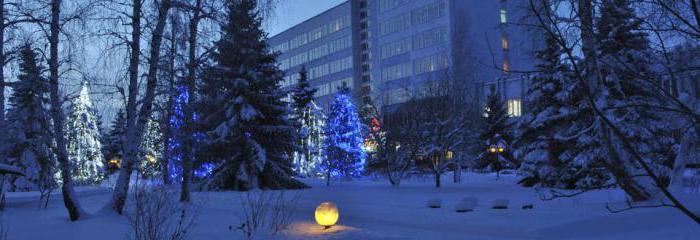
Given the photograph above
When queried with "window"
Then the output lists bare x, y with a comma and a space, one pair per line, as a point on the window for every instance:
298, 41
339, 44
397, 71
318, 52
340, 65
514, 108
282, 47
504, 43
504, 18
431, 63
386, 5
317, 33
333, 87
397, 95
396, 48
506, 66
428, 12
284, 64
318, 71
298, 59
429, 38
396, 24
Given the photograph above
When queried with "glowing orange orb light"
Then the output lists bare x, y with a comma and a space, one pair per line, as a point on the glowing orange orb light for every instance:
326, 214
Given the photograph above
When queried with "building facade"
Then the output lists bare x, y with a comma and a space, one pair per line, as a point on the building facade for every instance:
387, 51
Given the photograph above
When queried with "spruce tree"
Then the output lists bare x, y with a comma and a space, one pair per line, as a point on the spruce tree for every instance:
305, 122
627, 95
29, 125
248, 134
114, 140
343, 144
550, 114
495, 136
83, 137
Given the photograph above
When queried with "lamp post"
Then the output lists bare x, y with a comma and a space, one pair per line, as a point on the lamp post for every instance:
497, 149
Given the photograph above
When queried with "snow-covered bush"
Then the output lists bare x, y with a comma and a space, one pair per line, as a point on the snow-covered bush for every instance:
500, 204
157, 215
434, 203
466, 205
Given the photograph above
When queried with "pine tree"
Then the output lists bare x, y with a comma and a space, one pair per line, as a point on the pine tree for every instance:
496, 136
248, 133
305, 122
151, 150
83, 137
552, 114
114, 140
626, 96
29, 125
343, 143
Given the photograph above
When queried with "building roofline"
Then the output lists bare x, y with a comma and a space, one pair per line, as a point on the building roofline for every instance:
309, 19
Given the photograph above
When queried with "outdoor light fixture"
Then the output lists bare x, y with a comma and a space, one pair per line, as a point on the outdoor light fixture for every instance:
492, 149
326, 214
500, 149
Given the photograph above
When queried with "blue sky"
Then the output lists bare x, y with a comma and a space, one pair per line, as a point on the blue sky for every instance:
292, 12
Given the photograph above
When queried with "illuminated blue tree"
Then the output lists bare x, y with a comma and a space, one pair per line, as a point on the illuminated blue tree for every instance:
343, 144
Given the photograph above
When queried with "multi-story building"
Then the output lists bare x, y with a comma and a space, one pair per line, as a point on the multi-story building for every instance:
387, 50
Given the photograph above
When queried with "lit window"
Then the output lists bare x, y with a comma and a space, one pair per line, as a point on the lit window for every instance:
514, 108
506, 67
504, 43
503, 16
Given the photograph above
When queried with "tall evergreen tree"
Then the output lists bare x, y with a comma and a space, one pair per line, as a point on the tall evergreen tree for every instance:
29, 125
496, 136
83, 137
305, 122
114, 140
627, 96
343, 143
553, 110
248, 133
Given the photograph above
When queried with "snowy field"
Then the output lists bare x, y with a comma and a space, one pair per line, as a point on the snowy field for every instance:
374, 210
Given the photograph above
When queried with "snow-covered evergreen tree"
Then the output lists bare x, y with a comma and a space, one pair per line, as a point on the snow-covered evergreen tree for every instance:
553, 110
248, 133
627, 96
306, 120
151, 150
83, 137
343, 144
496, 136
29, 126
114, 140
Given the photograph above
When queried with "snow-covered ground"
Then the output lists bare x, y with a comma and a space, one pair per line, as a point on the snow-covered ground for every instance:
374, 210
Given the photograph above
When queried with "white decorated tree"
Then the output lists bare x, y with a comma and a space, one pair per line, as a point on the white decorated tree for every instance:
83, 136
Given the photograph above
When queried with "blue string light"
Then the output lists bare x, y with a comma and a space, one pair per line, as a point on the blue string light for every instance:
343, 144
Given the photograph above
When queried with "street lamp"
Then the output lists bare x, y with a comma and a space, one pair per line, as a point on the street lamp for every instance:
497, 149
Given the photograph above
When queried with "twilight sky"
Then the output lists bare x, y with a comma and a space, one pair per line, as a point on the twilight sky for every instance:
291, 12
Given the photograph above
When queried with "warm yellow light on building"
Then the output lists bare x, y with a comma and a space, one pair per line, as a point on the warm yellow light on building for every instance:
500, 149
449, 155
326, 214
492, 149
504, 43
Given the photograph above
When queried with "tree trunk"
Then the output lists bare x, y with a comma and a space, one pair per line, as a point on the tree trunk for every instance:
588, 42
3, 137
69, 198
188, 147
682, 156
437, 179
623, 171
458, 171
328, 176
136, 121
